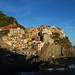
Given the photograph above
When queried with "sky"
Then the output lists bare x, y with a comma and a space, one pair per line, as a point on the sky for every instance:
31, 13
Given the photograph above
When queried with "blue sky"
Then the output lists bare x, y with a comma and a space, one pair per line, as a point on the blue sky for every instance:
29, 13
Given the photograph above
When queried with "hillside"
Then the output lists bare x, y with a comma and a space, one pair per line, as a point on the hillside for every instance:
44, 41
7, 20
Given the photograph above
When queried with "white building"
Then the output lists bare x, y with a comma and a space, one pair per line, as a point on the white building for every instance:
62, 34
40, 45
44, 31
49, 32
25, 40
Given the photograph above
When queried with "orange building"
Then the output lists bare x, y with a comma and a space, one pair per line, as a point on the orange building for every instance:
8, 27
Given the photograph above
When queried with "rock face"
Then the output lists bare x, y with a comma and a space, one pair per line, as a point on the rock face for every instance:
46, 41
52, 51
3, 44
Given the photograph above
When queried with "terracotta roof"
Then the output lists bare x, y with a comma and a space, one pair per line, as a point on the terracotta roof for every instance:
7, 27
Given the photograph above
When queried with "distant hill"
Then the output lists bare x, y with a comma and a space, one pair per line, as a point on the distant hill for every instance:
7, 20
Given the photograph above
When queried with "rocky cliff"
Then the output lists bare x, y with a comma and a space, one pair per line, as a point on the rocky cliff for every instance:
45, 41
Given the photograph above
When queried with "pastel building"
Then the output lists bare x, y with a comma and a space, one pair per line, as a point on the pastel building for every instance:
40, 45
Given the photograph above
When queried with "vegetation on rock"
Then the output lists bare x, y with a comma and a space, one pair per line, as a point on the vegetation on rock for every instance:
6, 20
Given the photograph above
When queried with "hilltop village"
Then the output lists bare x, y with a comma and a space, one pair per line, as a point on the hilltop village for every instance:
42, 40
31, 39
